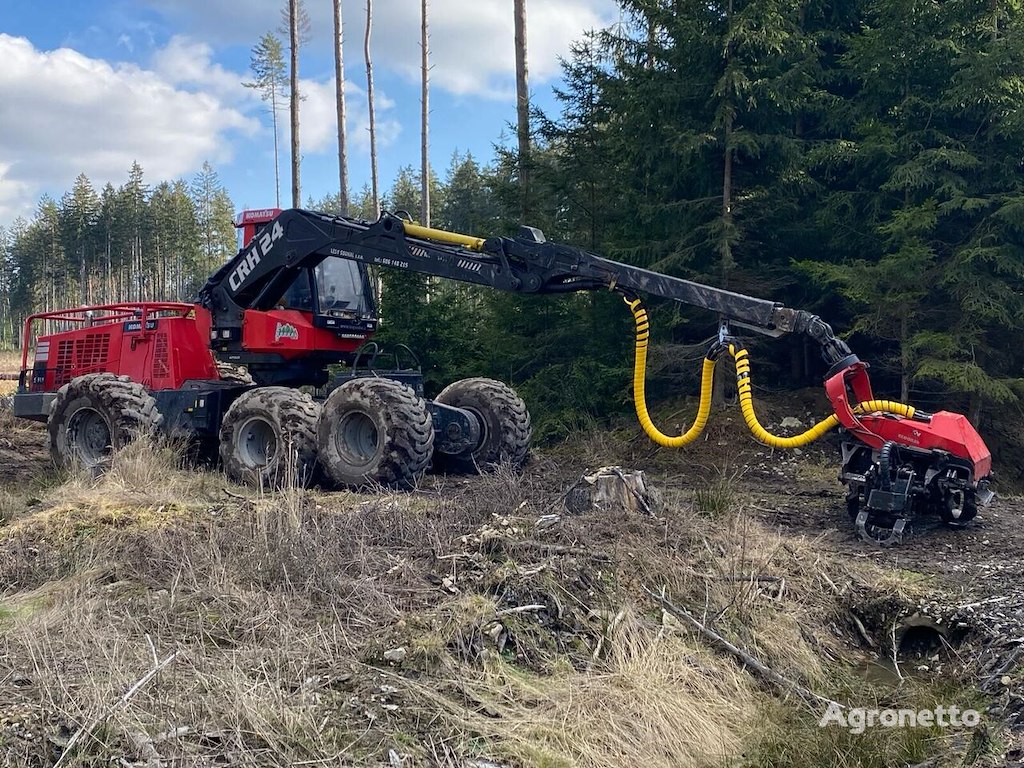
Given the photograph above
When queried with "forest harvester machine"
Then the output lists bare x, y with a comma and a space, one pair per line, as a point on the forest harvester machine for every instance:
297, 298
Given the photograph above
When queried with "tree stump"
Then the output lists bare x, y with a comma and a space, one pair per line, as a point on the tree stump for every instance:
613, 488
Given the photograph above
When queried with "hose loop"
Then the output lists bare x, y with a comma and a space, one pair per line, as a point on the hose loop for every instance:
643, 335
744, 389
746, 398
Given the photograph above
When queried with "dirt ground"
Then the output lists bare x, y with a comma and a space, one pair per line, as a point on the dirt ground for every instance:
480, 594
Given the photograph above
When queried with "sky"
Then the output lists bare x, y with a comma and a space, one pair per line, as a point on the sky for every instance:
89, 86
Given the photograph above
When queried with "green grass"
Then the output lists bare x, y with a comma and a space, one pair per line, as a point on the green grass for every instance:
715, 499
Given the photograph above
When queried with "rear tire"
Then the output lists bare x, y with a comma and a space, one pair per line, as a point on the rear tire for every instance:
96, 414
505, 429
375, 431
268, 438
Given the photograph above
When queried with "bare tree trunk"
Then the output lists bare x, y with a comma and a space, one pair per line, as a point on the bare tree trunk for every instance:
522, 105
372, 119
726, 246
904, 360
293, 33
425, 99
339, 77
277, 151
725, 241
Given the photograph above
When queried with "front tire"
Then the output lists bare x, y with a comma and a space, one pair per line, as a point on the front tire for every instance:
375, 432
96, 414
268, 438
504, 423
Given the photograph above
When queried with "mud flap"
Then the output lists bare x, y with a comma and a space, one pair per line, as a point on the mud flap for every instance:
883, 537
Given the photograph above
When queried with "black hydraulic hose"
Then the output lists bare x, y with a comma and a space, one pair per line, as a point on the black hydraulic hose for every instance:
884, 464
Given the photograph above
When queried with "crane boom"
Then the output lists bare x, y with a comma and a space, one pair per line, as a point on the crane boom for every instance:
297, 240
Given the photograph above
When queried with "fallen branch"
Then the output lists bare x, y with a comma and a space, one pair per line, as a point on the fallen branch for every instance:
234, 495
895, 654
553, 549
986, 601
824, 577
85, 730
521, 609
757, 666
1006, 666
862, 630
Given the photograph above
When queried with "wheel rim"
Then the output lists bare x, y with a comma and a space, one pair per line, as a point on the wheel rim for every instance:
357, 438
485, 432
89, 435
257, 442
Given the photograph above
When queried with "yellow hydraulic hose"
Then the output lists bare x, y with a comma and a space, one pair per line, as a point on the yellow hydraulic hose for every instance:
643, 334
746, 398
743, 386
747, 406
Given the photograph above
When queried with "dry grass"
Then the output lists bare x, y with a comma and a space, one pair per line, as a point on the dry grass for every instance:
526, 645
655, 699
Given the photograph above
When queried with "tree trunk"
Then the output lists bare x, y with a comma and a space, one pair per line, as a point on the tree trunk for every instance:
372, 119
904, 361
277, 150
293, 33
522, 106
725, 242
339, 77
425, 138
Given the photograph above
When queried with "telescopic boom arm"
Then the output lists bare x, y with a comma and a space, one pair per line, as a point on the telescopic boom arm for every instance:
260, 274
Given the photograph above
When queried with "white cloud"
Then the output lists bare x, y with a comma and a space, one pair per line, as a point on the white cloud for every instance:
471, 40
15, 196
187, 62
319, 118
472, 51
64, 113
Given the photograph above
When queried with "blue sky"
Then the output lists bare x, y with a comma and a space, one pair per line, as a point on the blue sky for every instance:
91, 85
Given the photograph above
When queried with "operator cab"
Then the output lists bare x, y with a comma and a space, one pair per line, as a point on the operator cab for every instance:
326, 313
336, 288
336, 284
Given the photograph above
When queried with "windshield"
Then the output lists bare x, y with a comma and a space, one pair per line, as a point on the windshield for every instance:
340, 286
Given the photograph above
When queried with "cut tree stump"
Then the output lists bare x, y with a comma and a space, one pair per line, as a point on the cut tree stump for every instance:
613, 488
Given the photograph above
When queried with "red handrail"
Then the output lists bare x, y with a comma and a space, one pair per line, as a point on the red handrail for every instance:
122, 310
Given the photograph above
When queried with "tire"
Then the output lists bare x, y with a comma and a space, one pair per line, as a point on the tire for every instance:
375, 432
268, 438
504, 423
96, 414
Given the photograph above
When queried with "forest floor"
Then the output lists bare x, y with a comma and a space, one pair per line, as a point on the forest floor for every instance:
157, 616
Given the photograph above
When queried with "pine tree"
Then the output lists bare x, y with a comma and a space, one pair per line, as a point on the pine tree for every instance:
339, 84
271, 80
79, 213
296, 20
371, 109
214, 219
132, 224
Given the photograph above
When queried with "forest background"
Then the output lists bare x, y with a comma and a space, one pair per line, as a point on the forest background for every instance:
863, 159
